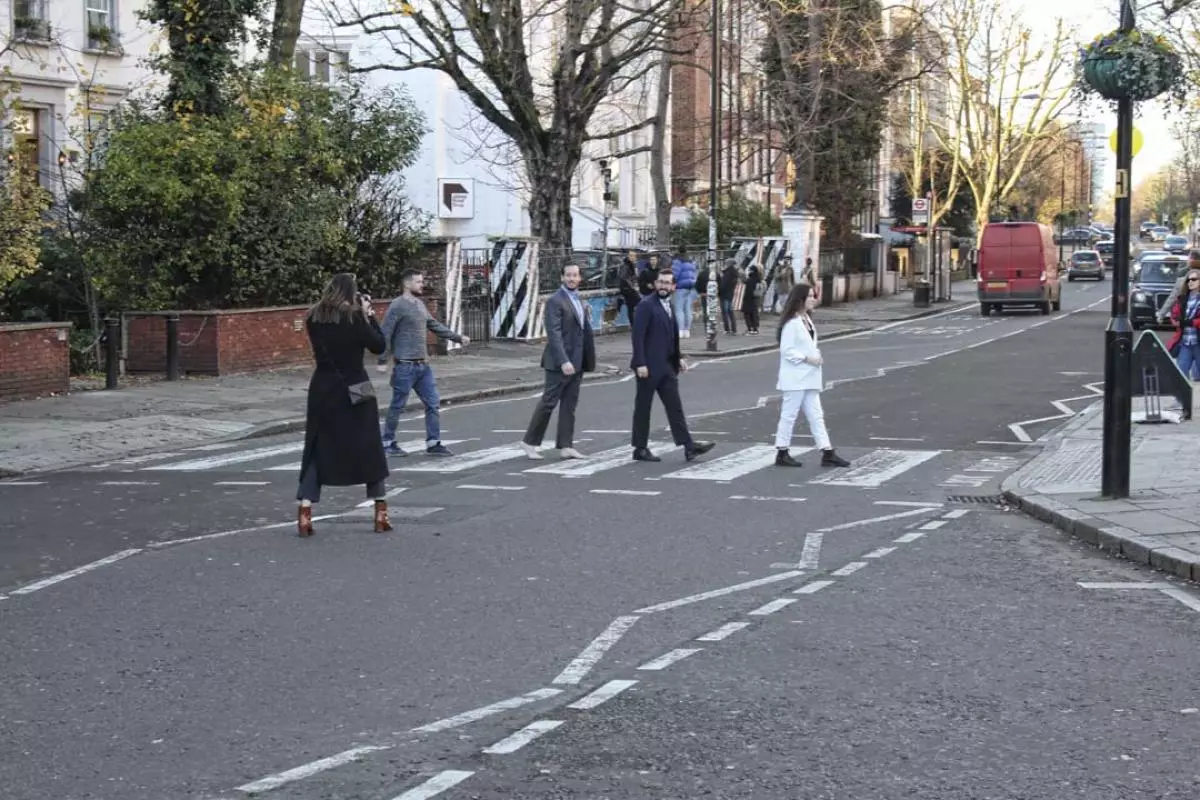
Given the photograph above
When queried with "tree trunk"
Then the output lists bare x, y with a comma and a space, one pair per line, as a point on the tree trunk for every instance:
285, 31
658, 165
816, 35
550, 177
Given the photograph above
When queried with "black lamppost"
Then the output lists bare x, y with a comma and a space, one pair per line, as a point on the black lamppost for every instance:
714, 177
1118, 337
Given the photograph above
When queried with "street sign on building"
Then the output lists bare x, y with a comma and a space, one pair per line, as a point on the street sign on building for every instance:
920, 211
456, 198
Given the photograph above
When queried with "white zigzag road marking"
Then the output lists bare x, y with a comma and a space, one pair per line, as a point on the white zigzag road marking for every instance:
1065, 412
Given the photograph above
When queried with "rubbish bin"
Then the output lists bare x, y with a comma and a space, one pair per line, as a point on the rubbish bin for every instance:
922, 294
826, 290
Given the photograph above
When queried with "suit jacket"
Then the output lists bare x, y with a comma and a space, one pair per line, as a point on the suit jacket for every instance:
568, 338
795, 345
656, 339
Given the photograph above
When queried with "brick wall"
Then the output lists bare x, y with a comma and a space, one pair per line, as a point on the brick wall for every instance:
35, 359
227, 342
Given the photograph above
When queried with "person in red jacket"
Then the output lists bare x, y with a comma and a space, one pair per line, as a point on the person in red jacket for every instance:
1185, 344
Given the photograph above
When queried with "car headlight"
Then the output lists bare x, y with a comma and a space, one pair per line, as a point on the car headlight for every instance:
1139, 297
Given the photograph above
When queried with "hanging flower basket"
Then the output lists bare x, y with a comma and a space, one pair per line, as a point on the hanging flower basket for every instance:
1130, 66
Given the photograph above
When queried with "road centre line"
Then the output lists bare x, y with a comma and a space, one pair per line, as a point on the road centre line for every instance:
849, 569
583, 663
667, 659
1125, 585
760, 497
22, 483
390, 493
488, 487
436, 785
483, 712
933, 525
602, 695
886, 518
36, 586
908, 503
724, 632
772, 607
909, 537
629, 492
880, 552
702, 596
308, 770
809, 556
241, 483
957, 513
513, 743
813, 588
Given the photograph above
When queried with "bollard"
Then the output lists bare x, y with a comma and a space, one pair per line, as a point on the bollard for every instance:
112, 352
826, 290
922, 294
172, 347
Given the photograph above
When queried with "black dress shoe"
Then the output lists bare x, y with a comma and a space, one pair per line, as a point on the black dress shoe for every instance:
644, 454
697, 449
830, 458
784, 459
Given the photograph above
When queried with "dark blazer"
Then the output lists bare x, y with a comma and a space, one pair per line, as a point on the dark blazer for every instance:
342, 440
656, 339
567, 338
753, 279
727, 282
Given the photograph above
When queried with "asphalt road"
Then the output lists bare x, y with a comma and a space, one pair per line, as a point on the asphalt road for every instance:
951, 653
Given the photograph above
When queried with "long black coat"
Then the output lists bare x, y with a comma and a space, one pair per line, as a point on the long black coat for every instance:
342, 440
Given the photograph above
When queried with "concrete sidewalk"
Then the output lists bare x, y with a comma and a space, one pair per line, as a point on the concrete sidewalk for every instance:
148, 414
1158, 525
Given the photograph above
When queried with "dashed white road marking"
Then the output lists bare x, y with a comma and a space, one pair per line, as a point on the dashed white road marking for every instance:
772, 607
907, 503
871, 520
129, 483
241, 483
880, 553
308, 770
909, 537
992, 441
390, 493
490, 487
513, 743
629, 492
933, 525
667, 659
897, 438
476, 714
22, 483
760, 497
810, 556
849, 569
737, 587
583, 663
436, 785
957, 513
724, 632
36, 586
813, 588
602, 695
1183, 597
1125, 585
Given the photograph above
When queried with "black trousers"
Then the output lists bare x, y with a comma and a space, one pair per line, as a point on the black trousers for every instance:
561, 391
310, 487
667, 389
750, 313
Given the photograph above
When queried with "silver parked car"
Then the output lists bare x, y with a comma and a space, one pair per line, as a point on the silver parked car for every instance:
1085, 264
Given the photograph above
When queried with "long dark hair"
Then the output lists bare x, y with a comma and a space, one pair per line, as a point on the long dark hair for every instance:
339, 301
793, 307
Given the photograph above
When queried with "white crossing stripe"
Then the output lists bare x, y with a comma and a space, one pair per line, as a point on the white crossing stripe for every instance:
436, 785
308, 770
226, 459
409, 447
734, 465
876, 468
465, 461
598, 462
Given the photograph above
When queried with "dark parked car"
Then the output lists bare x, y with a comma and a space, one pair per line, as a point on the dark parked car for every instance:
1150, 283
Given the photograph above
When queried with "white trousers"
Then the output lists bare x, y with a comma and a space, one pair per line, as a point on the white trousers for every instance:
808, 401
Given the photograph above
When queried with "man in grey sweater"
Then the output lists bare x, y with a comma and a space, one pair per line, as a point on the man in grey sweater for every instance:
404, 330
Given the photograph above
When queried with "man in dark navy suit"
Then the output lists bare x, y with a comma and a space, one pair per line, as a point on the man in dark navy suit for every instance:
657, 362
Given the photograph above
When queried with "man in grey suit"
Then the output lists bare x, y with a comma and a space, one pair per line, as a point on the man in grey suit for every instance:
570, 351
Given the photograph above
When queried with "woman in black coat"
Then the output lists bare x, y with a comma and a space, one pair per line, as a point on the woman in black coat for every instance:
752, 299
342, 446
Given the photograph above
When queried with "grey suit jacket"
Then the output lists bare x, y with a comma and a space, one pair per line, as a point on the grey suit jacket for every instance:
565, 332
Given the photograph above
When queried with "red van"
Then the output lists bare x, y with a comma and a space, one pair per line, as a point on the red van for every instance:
1017, 267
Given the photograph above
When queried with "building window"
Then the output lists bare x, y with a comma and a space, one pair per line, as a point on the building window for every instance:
27, 139
30, 21
322, 64
96, 136
101, 25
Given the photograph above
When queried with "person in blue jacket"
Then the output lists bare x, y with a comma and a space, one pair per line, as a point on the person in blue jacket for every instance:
685, 272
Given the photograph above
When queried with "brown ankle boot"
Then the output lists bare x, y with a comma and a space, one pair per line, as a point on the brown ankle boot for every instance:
382, 523
304, 525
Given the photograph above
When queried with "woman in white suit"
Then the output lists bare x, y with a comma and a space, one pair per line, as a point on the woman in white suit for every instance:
800, 379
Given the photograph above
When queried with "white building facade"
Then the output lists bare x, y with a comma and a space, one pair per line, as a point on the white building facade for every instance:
71, 63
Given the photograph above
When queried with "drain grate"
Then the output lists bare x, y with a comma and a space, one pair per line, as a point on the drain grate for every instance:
978, 499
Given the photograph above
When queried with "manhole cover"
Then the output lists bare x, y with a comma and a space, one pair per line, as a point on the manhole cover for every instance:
978, 499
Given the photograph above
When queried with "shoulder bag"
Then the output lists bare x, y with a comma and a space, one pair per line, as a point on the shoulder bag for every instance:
358, 393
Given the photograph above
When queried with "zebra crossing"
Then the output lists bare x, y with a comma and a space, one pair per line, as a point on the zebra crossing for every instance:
871, 468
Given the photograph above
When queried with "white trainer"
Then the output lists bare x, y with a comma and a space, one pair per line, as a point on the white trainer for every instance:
531, 452
570, 452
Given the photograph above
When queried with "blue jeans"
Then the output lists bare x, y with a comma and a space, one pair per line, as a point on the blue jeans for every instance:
409, 376
684, 301
1189, 360
728, 320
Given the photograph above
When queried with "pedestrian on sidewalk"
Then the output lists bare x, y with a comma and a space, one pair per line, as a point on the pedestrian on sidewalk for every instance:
809, 276
752, 298
1185, 344
727, 283
801, 380
404, 330
570, 351
785, 279
647, 275
657, 362
684, 270
628, 284
341, 425
1164, 311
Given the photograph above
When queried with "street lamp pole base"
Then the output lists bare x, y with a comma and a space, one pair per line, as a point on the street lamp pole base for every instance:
1118, 407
